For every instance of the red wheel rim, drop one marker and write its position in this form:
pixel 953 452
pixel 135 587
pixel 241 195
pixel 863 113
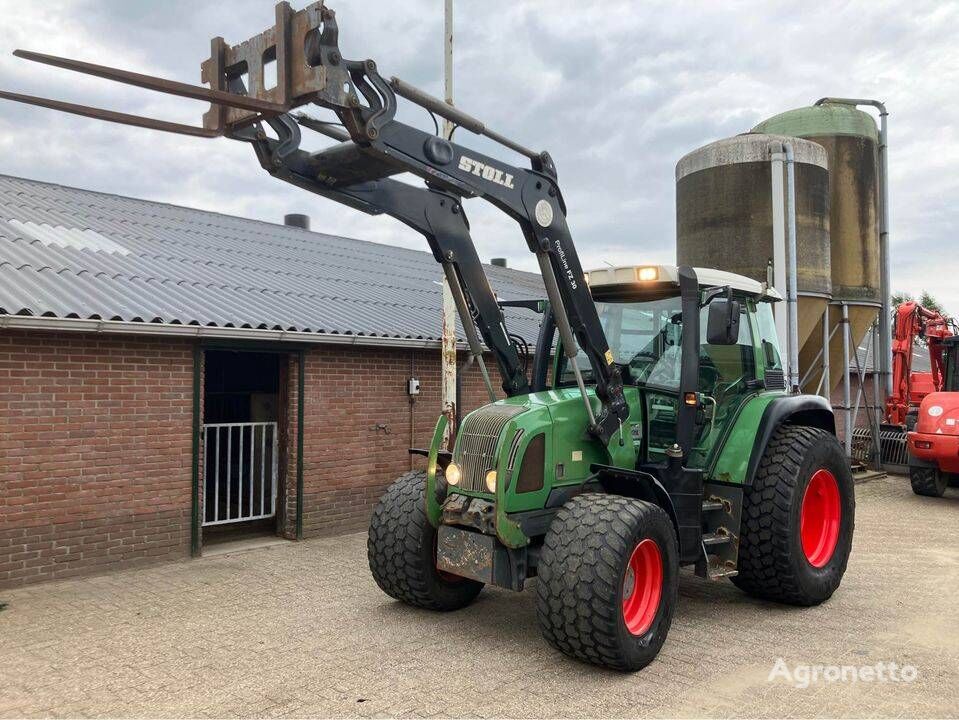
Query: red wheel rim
pixel 820 518
pixel 642 587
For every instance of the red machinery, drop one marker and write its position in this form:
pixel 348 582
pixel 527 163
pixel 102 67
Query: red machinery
pixel 926 404
pixel 909 388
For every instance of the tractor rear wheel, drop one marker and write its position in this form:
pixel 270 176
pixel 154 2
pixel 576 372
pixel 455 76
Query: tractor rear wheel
pixel 402 550
pixel 927 481
pixel 798 519
pixel 607 580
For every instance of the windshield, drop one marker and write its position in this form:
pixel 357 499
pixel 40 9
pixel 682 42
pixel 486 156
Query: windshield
pixel 644 338
pixel 952 368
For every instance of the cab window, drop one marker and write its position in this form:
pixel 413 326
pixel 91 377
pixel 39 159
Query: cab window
pixel 768 336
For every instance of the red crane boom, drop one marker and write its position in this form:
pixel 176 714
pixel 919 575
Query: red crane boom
pixel 912 321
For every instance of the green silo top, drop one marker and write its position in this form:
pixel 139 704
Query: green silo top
pixel 826 119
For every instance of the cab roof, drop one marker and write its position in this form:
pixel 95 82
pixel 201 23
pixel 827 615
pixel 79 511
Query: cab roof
pixel 655 277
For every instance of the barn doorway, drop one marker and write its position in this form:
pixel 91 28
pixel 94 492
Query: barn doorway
pixel 241 444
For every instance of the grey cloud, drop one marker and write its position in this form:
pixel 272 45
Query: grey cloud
pixel 616 91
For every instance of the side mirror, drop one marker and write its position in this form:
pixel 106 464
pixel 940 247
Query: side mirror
pixel 722 326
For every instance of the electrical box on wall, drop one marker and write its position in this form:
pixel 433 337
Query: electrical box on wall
pixel 413 386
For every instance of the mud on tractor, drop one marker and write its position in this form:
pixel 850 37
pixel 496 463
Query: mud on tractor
pixel 653 430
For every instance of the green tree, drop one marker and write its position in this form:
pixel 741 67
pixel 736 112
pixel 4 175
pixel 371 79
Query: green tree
pixel 926 299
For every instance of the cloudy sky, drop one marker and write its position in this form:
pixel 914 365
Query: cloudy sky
pixel 616 91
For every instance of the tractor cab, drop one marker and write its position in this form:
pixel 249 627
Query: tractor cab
pixel 951 379
pixel 933 439
pixel 737 349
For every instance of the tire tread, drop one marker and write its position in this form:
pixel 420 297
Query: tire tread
pixel 395 551
pixel 766 565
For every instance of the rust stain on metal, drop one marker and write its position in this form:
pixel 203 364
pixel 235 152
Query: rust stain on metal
pixel 464 553
pixel 448 364
pixel 287 45
pixel 284 44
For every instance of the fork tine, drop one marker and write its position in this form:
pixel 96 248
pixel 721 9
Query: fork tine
pixel 111 116
pixel 172 87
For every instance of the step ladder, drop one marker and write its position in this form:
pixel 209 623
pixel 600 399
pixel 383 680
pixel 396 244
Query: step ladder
pixel 722 508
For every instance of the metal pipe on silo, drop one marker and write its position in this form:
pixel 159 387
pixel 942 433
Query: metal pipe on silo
pixel 846 399
pixel 780 311
pixel 792 271
pixel 825 383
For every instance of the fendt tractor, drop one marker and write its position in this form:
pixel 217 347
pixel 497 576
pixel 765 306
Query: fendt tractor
pixel 653 430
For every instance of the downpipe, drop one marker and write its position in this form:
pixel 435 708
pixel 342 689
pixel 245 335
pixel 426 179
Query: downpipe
pixel 777 159
pixel 791 279
pixel 785 264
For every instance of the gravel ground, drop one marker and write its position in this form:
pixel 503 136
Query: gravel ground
pixel 300 629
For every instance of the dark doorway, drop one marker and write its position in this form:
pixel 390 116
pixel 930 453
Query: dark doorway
pixel 241 387
pixel 241 416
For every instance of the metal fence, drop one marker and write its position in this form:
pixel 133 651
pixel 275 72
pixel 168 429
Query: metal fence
pixel 240 465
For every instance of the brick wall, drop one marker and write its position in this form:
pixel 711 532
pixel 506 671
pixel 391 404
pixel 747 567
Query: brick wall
pixel 95 441
pixel 95 445
pixel 359 425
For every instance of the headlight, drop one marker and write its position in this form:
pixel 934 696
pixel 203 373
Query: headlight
pixel 491 481
pixel 645 274
pixel 453 474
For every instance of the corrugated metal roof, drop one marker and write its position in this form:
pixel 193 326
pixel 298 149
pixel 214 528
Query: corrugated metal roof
pixel 920 360
pixel 71 253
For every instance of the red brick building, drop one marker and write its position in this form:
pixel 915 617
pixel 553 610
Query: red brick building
pixel 161 367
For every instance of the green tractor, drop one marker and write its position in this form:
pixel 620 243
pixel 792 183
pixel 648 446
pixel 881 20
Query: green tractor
pixel 654 429
pixel 732 476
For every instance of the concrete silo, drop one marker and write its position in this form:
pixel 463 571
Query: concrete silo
pixel 726 217
pixel 851 140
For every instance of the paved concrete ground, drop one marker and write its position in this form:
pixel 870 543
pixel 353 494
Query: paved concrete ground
pixel 301 630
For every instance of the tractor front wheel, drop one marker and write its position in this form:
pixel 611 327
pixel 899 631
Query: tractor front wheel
pixel 798 519
pixel 607 580
pixel 928 481
pixel 402 550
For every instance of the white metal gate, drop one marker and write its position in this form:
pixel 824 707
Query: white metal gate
pixel 240 461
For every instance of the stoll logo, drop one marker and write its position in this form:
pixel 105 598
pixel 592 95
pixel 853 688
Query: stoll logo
pixel 803 676
pixel 487 172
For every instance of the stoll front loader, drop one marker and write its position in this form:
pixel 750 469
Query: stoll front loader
pixel 661 434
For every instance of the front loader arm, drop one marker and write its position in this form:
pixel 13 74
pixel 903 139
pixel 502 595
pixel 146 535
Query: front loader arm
pixel 440 218
pixel 530 196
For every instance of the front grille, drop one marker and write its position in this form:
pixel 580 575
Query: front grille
pixel 775 379
pixel 475 451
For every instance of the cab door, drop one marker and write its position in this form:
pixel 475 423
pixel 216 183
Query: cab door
pixel 727 378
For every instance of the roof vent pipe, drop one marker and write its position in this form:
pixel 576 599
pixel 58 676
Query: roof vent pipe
pixel 297 220
pixel 498 262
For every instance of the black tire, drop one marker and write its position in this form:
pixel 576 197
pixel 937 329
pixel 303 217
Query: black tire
pixel 772 562
pixel 912 417
pixel 927 481
pixel 582 573
pixel 953 480
pixel 402 550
